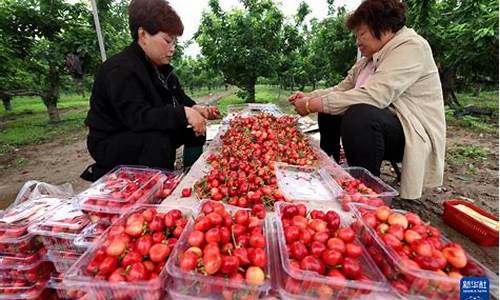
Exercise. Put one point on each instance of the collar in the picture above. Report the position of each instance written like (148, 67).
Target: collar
(137, 50)
(377, 57)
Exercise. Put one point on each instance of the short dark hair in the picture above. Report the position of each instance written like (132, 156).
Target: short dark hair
(153, 16)
(379, 16)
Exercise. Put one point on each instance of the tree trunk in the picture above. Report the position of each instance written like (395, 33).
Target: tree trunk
(52, 95)
(6, 102)
(53, 112)
(477, 89)
(80, 87)
(314, 84)
(447, 76)
(250, 89)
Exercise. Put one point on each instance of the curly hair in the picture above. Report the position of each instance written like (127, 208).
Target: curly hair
(153, 16)
(379, 16)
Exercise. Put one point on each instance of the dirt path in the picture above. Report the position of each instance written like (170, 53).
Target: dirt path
(211, 99)
(63, 159)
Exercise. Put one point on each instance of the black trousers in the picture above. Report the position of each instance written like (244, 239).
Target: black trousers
(156, 149)
(369, 136)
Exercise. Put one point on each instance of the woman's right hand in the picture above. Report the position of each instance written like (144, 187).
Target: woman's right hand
(196, 120)
(296, 96)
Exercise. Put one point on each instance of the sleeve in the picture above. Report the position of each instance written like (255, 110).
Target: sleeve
(128, 98)
(393, 77)
(346, 84)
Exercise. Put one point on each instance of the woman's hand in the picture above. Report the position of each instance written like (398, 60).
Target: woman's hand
(296, 96)
(213, 113)
(196, 120)
(202, 109)
(307, 105)
(208, 112)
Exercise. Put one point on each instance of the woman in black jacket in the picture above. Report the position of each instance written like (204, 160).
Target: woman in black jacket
(139, 114)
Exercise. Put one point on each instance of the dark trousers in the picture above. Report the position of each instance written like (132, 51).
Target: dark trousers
(156, 149)
(369, 136)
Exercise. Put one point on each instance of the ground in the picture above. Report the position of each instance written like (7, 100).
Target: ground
(471, 171)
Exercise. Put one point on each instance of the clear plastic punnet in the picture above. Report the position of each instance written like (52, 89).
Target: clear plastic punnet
(31, 268)
(120, 189)
(25, 291)
(59, 231)
(101, 217)
(170, 181)
(91, 234)
(195, 285)
(361, 186)
(97, 270)
(410, 281)
(62, 260)
(299, 284)
(63, 292)
(15, 239)
(326, 162)
(304, 183)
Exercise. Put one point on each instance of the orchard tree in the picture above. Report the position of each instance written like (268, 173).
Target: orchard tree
(243, 43)
(292, 67)
(332, 48)
(197, 73)
(38, 35)
(464, 39)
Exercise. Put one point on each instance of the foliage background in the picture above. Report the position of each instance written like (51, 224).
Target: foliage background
(255, 44)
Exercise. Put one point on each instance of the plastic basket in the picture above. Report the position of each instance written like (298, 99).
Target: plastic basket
(31, 268)
(63, 292)
(59, 231)
(311, 285)
(419, 283)
(91, 234)
(377, 192)
(193, 285)
(472, 228)
(25, 291)
(62, 260)
(304, 183)
(15, 239)
(122, 188)
(79, 277)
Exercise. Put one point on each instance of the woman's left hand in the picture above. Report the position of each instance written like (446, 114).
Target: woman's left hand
(208, 112)
(213, 113)
(202, 109)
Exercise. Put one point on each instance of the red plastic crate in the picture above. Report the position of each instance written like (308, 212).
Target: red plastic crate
(469, 226)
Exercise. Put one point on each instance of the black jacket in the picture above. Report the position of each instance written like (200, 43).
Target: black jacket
(128, 96)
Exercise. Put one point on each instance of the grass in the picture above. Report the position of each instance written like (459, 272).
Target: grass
(487, 100)
(33, 105)
(33, 129)
(27, 122)
(462, 153)
(467, 155)
(203, 92)
(263, 94)
(480, 124)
